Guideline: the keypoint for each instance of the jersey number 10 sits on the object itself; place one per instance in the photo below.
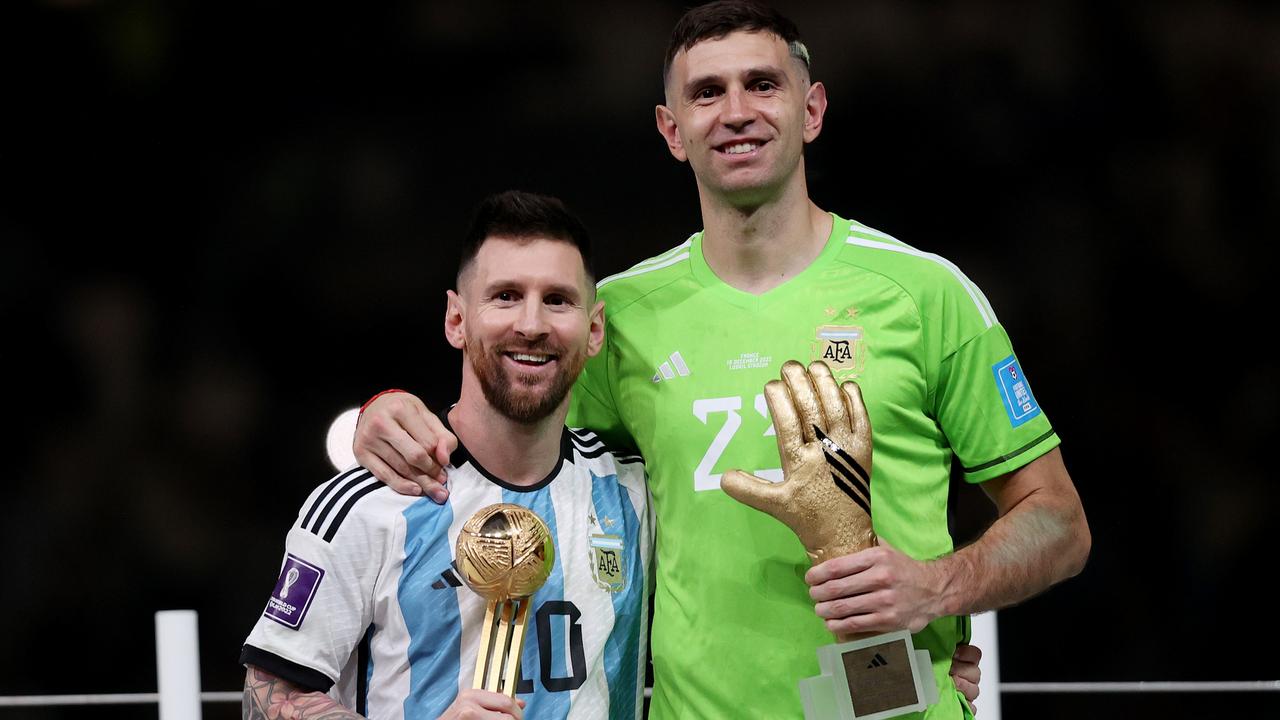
(577, 657)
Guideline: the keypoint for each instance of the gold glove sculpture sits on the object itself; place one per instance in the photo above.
(824, 440)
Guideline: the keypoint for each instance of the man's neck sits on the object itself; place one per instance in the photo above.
(756, 249)
(521, 454)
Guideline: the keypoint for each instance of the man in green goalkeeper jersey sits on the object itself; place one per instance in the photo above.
(694, 334)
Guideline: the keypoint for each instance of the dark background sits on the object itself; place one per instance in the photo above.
(223, 225)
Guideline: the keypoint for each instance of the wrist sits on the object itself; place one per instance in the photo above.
(369, 402)
(950, 573)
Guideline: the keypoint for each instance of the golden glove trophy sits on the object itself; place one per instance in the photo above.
(504, 553)
(824, 440)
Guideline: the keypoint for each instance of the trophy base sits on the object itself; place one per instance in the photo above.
(877, 677)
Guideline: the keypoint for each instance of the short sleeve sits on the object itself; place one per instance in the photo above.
(987, 410)
(322, 602)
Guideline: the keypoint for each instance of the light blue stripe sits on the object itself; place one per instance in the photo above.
(541, 703)
(430, 615)
(606, 543)
(621, 664)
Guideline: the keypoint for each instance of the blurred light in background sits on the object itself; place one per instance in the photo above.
(341, 434)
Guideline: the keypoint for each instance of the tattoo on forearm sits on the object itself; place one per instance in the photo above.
(267, 697)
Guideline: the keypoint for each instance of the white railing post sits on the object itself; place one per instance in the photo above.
(178, 664)
(987, 639)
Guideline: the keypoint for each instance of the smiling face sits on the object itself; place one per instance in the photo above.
(526, 319)
(740, 110)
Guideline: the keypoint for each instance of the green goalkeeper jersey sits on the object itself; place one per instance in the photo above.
(681, 379)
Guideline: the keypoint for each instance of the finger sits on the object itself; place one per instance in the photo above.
(968, 654)
(786, 424)
(475, 703)
(970, 690)
(388, 454)
(966, 671)
(391, 478)
(426, 428)
(497, 702)
(860, 421)
(805, 399)
(416, 444)
(862, 623)
(390, 467)
(850, 606)
(834, 407)
(838, 568)
(446, 443)
(753, 491)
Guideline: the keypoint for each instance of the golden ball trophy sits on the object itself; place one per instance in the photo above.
(504, 553)
(824, 440)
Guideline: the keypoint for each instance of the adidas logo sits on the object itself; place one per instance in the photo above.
(877, 661)
(666, 371)
(447, 579)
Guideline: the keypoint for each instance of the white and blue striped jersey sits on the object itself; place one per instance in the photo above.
(369, 606)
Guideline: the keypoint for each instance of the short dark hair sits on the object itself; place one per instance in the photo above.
(717, 19)
(525, 215)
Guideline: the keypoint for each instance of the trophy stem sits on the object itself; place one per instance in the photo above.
(501, 642)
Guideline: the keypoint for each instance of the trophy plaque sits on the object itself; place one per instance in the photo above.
(504, 553)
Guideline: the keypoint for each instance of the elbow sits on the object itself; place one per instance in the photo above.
(1079, 545)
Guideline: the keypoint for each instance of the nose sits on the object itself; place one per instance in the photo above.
(736, 109)
(532, 320)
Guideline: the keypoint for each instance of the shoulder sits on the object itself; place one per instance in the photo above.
(590, 452)
(930, 280)
(622, 289)
(353, 498)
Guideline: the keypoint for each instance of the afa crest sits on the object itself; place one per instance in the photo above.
(842, 348)
(607, 565)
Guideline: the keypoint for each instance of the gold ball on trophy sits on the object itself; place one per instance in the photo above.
(505, 551)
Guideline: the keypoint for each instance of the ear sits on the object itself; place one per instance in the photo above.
(595, 338)
(815, 108)
(666, 120)
(455, 330)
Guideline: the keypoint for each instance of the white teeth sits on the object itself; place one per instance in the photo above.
(525, 357)
(741, 148)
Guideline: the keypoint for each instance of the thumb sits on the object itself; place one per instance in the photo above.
(756, 492)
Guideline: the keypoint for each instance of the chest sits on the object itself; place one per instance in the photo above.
(687, 362)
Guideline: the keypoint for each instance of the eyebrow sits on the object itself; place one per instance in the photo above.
(771, 72)
(569, 291)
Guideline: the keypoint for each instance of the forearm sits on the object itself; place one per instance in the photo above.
(267, 696)
(1041, 538)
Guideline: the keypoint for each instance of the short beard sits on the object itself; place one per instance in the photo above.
(499, 387)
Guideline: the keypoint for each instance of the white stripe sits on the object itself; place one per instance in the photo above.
(584, 446)
(665, 369)
(979, 301)
(390, 645)
(642, 270)
(585, 436)
(679, 363)
(663, 256)
(972, 287)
